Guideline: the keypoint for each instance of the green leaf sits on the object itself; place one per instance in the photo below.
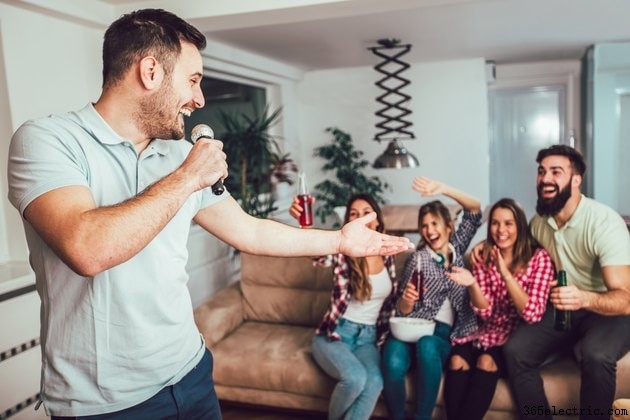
(347, 165)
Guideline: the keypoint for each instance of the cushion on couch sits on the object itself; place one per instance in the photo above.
(284, 290)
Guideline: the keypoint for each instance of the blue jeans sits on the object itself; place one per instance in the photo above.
(193, 397)
(355, 363)
(431, 352)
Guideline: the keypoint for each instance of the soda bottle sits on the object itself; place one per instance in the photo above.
(562, 319)
(305, 200)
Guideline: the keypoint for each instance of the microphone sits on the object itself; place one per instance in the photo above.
(204, 131)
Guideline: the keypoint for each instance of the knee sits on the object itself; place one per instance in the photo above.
(374, 383)
(430, 348)
(355, 380)
(457, 362)
(597, 361)
(487, 363)
(513, 353)
(394, 366)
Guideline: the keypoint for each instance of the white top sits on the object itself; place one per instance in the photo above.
(446, 314)
(366, 312)
(113, 340)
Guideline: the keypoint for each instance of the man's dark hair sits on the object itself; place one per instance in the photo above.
(145, 32)
(575, 157)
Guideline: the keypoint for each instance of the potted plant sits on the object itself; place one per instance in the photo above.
(283, 171)
(253, 157)
(347, 165)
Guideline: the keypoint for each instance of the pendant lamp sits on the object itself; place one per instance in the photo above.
(392, 125)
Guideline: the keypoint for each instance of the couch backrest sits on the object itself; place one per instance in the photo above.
(287, 290)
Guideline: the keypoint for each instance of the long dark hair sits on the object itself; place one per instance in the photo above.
(437, 209)
(524, 246)
(358, 268)
(145, 32)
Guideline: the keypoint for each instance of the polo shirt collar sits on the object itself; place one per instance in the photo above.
(92, 121)
(575, 218)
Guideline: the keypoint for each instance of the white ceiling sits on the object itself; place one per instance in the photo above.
(503, 31)
(317, 34)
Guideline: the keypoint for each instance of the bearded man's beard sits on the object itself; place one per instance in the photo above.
(157, 117)
(552, 206)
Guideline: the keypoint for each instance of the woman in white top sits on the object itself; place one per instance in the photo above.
(346, 342)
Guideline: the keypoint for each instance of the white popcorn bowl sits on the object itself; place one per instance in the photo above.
(410, 330)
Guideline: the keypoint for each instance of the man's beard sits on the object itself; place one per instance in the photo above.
(155, 116)
(552, 206)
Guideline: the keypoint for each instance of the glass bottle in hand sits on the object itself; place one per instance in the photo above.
(305, 200)
(562, 319)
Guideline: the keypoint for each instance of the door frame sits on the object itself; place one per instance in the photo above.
(546, 73)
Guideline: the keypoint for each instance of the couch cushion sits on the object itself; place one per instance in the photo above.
(284, 290)
(270, 357)
(287, 290)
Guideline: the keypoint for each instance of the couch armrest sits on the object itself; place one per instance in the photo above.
(220, 315)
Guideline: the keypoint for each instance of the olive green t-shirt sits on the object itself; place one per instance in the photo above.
(594, 237)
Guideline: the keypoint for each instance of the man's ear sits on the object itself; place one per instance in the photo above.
(576, 181)
(151, 73)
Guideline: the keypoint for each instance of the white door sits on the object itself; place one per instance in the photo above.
(523, 121)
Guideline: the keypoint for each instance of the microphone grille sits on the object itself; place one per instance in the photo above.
(201, 130)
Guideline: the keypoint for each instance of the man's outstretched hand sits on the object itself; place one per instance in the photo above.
(357, 240)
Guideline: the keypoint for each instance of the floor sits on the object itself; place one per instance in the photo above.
(237, 412)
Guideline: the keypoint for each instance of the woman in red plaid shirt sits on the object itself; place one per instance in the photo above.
(510, 285)
(346, 342)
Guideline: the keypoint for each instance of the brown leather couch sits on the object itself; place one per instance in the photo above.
(260, 329)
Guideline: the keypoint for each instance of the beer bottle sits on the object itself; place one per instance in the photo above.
(562, 319)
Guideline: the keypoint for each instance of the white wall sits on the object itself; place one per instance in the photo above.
(610, 144)
(50, 65)
(450, 121)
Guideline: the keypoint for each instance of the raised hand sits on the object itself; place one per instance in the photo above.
(357, 240)
(428, 187)
(461, 276)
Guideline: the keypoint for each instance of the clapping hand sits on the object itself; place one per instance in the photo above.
(499, 261)
(461, 276)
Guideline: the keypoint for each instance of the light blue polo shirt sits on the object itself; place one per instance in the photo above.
(114, 340)
(594, 237)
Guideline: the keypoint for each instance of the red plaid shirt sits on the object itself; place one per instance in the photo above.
(341, 295)
(500, 318)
